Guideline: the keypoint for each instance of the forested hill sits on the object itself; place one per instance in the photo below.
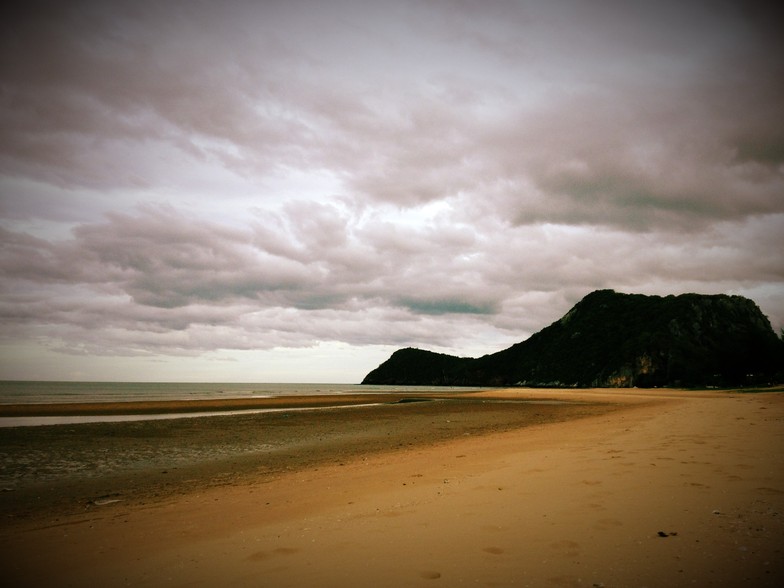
(610, 339)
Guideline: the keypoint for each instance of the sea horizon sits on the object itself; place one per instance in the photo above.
(57, 391)
(31, 392)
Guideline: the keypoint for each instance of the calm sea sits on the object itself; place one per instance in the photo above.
(65, 392)
(46, 392)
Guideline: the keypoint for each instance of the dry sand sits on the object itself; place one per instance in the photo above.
(672, 489)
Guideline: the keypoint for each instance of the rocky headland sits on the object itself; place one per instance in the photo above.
(609, 339)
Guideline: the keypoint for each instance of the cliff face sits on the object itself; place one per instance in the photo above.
(618, 340)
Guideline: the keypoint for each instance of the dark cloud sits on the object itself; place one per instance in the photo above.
(446, 306)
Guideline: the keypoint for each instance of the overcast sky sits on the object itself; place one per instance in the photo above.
(291, 190)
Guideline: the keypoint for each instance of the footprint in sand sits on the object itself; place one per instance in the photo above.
(771, 491)
(258, 556)
(430, 575)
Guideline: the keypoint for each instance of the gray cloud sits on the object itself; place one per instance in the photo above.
(181, 178)
(162, 272)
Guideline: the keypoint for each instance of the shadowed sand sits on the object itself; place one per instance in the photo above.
(629, 488)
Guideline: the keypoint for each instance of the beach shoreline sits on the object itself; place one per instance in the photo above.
(132, 407)
(64, 469)
(575, 496)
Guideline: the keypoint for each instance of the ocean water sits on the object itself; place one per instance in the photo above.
(12, 392)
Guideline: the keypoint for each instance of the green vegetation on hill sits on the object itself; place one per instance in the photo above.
(612, 339)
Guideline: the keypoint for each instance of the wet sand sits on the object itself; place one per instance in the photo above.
(627, 488)
(205, 405)
(57, 470)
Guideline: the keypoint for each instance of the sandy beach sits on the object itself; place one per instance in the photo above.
(614, 488)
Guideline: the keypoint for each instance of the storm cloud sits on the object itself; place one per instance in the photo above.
(179, 179)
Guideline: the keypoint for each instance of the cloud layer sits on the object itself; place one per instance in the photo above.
(182, 178)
